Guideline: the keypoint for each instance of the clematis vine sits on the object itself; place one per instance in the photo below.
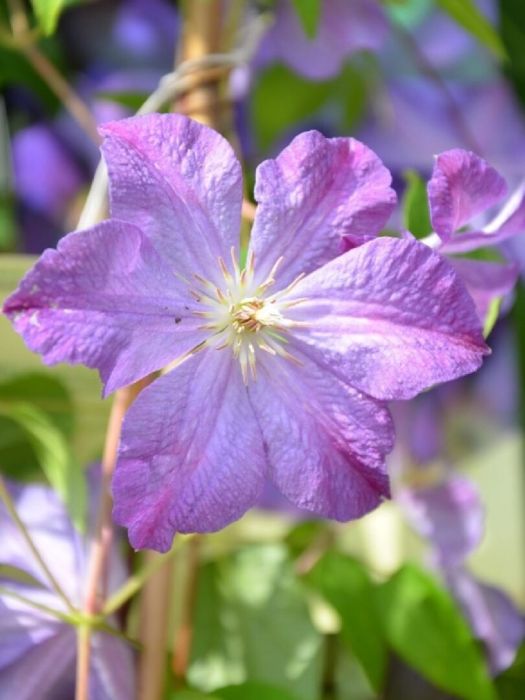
(462, 189)
(275, 369)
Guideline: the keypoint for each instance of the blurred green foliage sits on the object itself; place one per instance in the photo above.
(251, 623)
(47, 13)
(416, 215)
(309, 12)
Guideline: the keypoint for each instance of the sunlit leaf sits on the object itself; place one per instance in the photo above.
(274, 113)
(252, 624)
(53, 454)
(467, 14)
(424, 626)
(416, 215)
(82, 384)
(18, 459)
(346, 585)
(253, 691)
(309, 12)
(492, 316)
(48, 12)
(511, 683)
(193, 695)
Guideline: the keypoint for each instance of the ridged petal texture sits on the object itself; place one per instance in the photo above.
(366, 319)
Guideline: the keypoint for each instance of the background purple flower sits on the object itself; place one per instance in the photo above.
(345, 26)
(37, 650)
(463, 189)
(445, 509)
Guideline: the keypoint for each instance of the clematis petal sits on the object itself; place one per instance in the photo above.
(52, 532)
(485, 281)
(21, 626)
(345, 26)
(494, 618)
(326, 442)
(419, 429)
(180, 183)
(191, 457)
(111, 673)
(449, 515)
(509, 223)
(462, 186)
(40, 666)
(106, 299)
(316, 199)
(390, 317)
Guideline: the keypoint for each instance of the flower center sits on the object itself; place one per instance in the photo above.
(251, 314)
(243, 316)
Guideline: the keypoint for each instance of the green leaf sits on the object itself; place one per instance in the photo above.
(48, 12)
(18, 459)
(253, 691)
(305, 534)
(408, 13)
(127, 98)
(346, 585)
(416, 215)
(281, 100)
(512, 29)
(193, 695)
(426, 629)
(468, 16)
(492, 316)
(7, 223)
(13, 573)
(15, 69)
(82, 384)
(252, 624)
(309, 13)
(53, 455)
(46, 392)
(511, 683)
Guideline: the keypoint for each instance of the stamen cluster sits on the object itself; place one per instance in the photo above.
(242, 316)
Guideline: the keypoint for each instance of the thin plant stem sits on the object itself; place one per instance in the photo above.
(24, 41)
(137, 581)
(83, 661)
(63, 90)
(154, 624)
(180, 81)
(96, 583)
(184, 635)
(5, 496)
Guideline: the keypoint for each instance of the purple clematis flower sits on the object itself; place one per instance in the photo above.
(38, 650)
(445, 509)
(345, 26)
(463, 187)
(449, 515)
(277, 370)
